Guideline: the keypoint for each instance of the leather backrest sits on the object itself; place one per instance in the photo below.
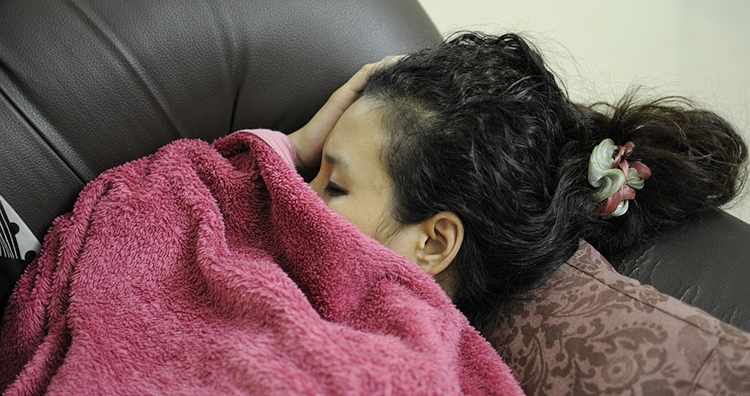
(704, 262)
(86, 85)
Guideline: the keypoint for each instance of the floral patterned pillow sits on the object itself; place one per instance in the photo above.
(591, 331)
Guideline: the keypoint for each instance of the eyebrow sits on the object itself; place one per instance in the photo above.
(337, 161)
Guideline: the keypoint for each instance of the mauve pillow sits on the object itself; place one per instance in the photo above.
(591, 331)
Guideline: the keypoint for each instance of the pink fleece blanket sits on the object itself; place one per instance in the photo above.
(214, 269)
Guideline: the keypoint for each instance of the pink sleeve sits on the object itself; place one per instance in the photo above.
(278, 141)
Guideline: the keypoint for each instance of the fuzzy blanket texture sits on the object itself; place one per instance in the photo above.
(214, 269)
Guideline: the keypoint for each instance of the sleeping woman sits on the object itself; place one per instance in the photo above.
(471, 161)
(215, 269)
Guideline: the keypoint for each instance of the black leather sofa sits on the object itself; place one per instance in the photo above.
(86, 85)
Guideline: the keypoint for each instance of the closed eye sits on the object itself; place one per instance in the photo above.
(335, 190)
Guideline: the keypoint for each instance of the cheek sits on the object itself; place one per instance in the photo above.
(357, 213)
(404, 241)
(363, 213)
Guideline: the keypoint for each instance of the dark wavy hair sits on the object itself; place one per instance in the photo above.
(479, 127)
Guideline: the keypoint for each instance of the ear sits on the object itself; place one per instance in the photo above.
(441, 239)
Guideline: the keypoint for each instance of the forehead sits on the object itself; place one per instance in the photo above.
(355, 142)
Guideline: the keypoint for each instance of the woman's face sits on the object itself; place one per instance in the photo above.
(352, 179)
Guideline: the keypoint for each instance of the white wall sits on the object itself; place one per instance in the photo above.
(698, 49)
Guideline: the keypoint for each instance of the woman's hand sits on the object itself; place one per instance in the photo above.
(309, 140)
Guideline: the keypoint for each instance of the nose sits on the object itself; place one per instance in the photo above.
(317, 185)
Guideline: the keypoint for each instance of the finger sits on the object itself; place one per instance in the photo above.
(358, 81)
(343, 97)
(347, 93)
